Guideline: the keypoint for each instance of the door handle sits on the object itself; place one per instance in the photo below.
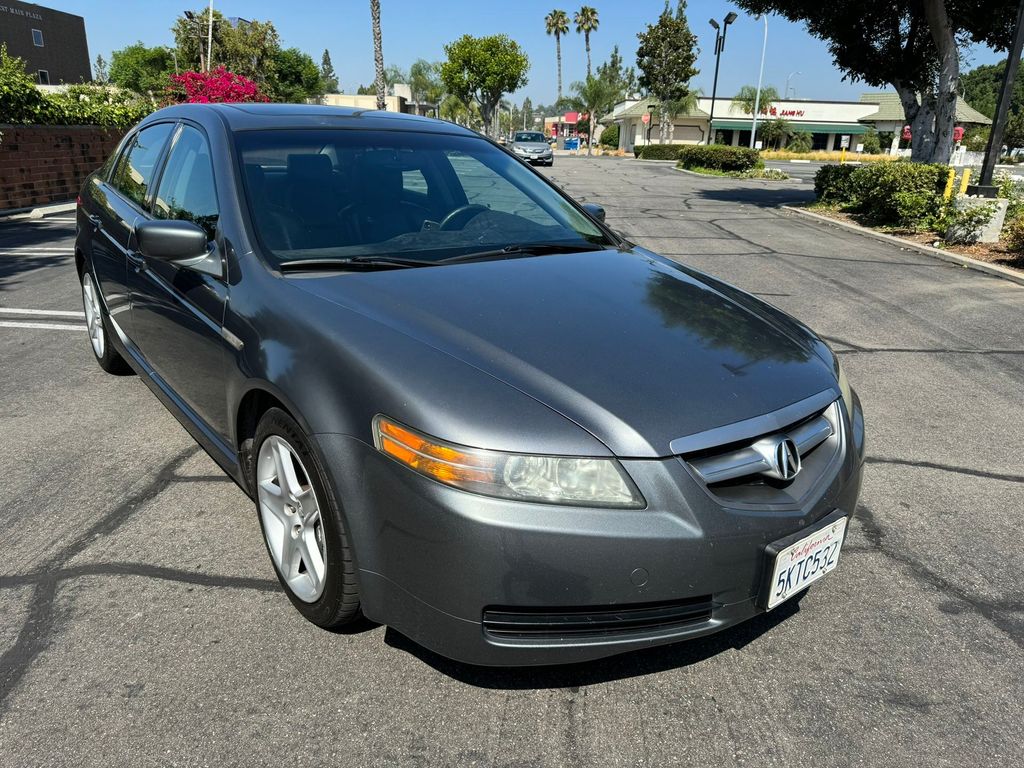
(137, 260)
(94, 220)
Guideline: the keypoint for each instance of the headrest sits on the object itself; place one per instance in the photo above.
(309, 166)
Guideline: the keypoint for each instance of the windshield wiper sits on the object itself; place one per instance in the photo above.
(367, 263)
(525, 249)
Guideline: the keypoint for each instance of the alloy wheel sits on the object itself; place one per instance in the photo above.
(292, 523)
(93, 315)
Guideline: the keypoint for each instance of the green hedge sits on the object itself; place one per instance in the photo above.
(832, 183)
(719, 157)
(658, 151)
(610, 136)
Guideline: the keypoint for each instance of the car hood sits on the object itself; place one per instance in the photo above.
(634, 348)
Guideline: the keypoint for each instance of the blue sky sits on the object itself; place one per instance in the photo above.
(419, 29)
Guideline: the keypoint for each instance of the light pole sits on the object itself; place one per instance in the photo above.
(788, 78)
(719, 47)
(174, 56)
(650, 123)
(760, 77)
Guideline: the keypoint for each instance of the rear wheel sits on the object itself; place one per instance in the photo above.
(97, 324)
(302, 525)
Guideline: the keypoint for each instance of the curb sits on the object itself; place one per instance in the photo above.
(17, 214)
(642, 160)
(790, 180)
(1012, 275)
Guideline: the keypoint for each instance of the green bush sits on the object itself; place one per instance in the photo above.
(1013, 234)
(658, 151)
(22, 103)
(900, 193)
(872, 144)
(832, 183)
(610, 136)
(719, 157)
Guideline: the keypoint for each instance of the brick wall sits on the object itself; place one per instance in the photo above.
(42, 164)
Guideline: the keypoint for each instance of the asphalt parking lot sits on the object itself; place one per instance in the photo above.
(142, 623)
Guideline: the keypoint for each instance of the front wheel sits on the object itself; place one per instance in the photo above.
(109, 359)
(302, 524)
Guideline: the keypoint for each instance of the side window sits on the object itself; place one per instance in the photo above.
(413, 181)
(135, 172)
(186, 189)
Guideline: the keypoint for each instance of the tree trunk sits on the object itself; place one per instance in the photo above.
(558, 55)
(919, 112)
(590, 136)
(378, 54)
(949, 76)
(664, 126)
(586, 42)
(486, 114)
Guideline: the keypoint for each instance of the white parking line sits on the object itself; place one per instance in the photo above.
(53, 312)
(46, 326)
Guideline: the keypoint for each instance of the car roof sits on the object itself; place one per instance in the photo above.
(249, 116)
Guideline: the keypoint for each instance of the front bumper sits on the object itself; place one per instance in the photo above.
(433, 559)
(541, 158)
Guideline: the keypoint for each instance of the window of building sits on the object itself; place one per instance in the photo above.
(44, 77)
(135, 172)
(187, 190)
(37, 38)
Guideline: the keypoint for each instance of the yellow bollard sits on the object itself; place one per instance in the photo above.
(949, 184)
(964, 181)
(842, 155)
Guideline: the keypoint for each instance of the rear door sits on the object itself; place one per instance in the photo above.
(178, 312)
(119, 201)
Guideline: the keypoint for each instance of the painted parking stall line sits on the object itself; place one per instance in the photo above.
(41, 319)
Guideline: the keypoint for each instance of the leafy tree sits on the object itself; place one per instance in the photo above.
(976, 139)
(366, 90)
(594, 97)
(774, 131)
(915, 47)
(557, 23)
(483, 69)
(1013, 135)
(101, 72)
(328, 77)
(610, 136)
(872, 143)
(665, 58)
(586, 22)
(615, 71)
(455, 110)
(247, 48)
(141, 69)
(425, 81)
(20, 100)
(800, 141)
(981, 88)
(378, 53)
(296, 77)
(527, 112)
(747, 96)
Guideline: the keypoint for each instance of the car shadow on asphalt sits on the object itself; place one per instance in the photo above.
(761, 197)
(633, 664)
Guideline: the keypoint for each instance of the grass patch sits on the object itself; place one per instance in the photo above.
(770, 174)
(782, 154)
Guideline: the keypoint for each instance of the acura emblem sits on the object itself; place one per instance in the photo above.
(786, 459)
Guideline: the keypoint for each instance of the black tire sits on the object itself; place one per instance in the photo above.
(110, 360)
(338, 604)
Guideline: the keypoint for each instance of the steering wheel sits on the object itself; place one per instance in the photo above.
(461, 216)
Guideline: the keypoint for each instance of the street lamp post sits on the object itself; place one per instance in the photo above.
(788, 78)
(650, 122)
(760, 78)
(719, 47)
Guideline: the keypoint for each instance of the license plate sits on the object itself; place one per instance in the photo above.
(800, 564)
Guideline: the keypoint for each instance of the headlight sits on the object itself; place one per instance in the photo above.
(518, 150)
(844, 385)
(548, 479)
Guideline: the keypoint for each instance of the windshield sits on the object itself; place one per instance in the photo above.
(530, 138)
(340, 194)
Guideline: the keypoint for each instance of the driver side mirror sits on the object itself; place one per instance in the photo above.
(594, 210)
(172, 240)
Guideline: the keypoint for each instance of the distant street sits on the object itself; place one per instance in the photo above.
(143, 624)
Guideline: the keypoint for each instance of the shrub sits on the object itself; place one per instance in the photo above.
(20, 100)
(872, 144)
(901, 193)
(1013, 234)
(800, 142)
(832, 183)
(610, 136)
(218, 86)
(100, 105)
(964, 223)
(658, 152)
(719, 157)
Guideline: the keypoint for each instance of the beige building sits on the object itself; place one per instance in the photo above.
(400, 100)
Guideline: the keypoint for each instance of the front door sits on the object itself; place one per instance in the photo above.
(178, 312)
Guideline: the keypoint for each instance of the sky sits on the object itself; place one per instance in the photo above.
(413, 29)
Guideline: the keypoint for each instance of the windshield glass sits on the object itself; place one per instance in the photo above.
(338, 194)
(530, 138)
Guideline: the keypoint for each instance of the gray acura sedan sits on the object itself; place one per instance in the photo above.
(532, 147)
(462, 405)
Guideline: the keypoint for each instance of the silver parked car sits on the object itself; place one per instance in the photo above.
(532, 147)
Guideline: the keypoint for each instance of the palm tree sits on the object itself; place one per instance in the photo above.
(595, 96)
(557, 24)
(748, 95)
(378, 53)
(586, 22)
